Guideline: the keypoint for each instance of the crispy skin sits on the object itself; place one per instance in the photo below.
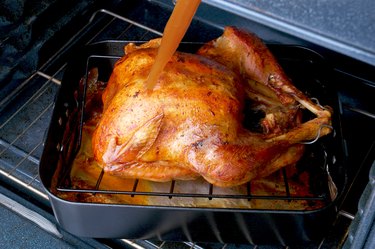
(190, 124)
(265, 79)
(153, 131)
(268, 86)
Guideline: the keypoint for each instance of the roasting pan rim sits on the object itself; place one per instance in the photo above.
(107, 43)
(58, 203)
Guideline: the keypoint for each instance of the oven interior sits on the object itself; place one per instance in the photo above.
(31, 82)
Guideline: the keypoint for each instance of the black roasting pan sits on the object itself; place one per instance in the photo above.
(308, 70)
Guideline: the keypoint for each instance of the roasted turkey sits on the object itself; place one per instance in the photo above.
(191, 123)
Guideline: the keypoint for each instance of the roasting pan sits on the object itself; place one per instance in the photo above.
(269, 224)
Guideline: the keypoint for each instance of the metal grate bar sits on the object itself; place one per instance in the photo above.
(21, 134)
(209, 196)
(110, 13)
(25, 185)
(25, 158)
(363, 112)
(35, 96)
(54, 80)
(19, 152)
(99, 31)
(27, 128)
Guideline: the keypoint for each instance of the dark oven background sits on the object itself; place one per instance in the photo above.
(39, 37)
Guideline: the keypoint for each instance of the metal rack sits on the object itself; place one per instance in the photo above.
(22, 132)
(209, 195)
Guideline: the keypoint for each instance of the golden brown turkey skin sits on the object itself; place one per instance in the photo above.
(268, 87)
(190, 124)
(151, 132)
